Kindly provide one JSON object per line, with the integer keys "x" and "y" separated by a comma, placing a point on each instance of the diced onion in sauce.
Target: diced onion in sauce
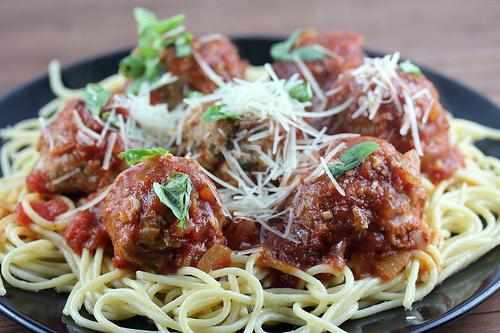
{"x": 390, "y": 266}
{"x": 218, "y": 256}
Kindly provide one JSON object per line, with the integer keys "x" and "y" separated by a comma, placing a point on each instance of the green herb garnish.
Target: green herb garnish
{"x": 194, "y": 94}
{"x": 134, "y": 156}
{"x": 95, "y": 98}
{"x": 183, "y": 45}
{"x": 145, "y": 64}
{"x": 284, "y": 51}
{"x": 301, "y": 92}
{"x": 410, "y": 68}
{"x": 215, "y": 113}
{"x": 175, "y": 193}
{"x": 148, "y": 23}
{"x": 132, "y": 66}
{"x": 352, "y": 158}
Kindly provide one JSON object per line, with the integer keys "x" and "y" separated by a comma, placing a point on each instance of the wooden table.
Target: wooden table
{"x": 458, "y": 38}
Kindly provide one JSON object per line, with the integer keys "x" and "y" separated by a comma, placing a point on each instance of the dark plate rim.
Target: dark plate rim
{"x": 456, "y": 312}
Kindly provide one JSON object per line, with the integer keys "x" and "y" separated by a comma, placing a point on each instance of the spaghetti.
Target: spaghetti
{"x": 462, "y": 212}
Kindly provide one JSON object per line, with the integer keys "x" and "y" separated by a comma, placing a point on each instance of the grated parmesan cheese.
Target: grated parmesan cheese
{"x": 64, "y": 177}
{"x": 109, "y": 151}
{"x": 45, "y": 131}
{"x": 81, "y": 126}
{"x": 381, "y": 83}
{"x": 209, "y": 72}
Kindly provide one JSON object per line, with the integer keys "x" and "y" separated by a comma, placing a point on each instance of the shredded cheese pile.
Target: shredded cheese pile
{"x": 280, "y": 121}
{"x": 381, "y": 83}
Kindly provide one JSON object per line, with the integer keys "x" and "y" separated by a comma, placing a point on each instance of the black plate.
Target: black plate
{"x": 42, "y": 311}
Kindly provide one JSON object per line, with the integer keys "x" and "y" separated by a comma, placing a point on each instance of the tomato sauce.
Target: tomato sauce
{"x": 49, "y": 210}
{"x": 86, "y": 230}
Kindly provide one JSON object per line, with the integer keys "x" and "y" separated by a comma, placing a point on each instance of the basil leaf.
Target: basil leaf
{"x": 171, "y": 23}
{"x": 309, "y": 53}
{"x": 214, "y": 113}
{"x": 95, "y": 98}
{"x": 410, "y": 68}
{"x": 183, "y": 45}
{"x": 145, "y": 19}
{"x": 194, "y": 94}
{"x": 281, "y": 50}
{"x": 132, "y": 66}
{"x": 301, "y": 92}
{"x": 284, "y": 51}
{"x": 175, "y": 193}
{"x": 134, "y": 156}
{"x": 145, "y": 64}
{"x": 352, "y": 158}
{"x": 153, "y": 67}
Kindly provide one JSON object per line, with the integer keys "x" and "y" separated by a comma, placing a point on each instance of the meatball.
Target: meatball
{"x": 219, "y": 53}
{"x": 71, "y": 161}
{"x": 379, "y": 217}
{"x": 145, "y": 232}
{"x": 347, "y": 52}
{"x": 387, "y": 119}
{"x": 207, "y": 140}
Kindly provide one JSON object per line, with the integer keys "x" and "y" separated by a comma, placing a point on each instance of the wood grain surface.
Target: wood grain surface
{"x": 458, "y": 38}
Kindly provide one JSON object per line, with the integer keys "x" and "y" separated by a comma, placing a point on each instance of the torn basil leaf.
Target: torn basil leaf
{"x": 175, "y": 193}
{"x": 284, "y": 51}
{"x": 301, "y": 92}
{"x": 410, "y": 68}
{"x": 95, "y": 97}
{"x": 216, "y": 113}
{"x": 134, "y": 156}
{"x": 132, "y": 66}
{"x": 145, "y": 65}
{"x": 183, "y": 45}
{"x": 352, "y": 158}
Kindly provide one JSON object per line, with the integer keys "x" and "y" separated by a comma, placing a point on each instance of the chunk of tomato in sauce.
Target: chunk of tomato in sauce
{"x": 86, "y": 230}
{"x": 36, "y": 181}
{"x": 49, "y": 210}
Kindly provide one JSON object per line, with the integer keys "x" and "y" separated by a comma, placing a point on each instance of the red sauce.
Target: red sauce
{"x": 242, "y": 235}
{"x": 86, "y": 230}
{"x": 36, "y": 182}
{"x": 49, "y": 210}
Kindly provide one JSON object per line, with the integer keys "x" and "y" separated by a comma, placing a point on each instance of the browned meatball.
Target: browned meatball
{"x": 145, "y": 233}
{"x": 347, "y": 48}
{"x": 207, "y": 140}
{"x": 440, "y": 158}
{"x": 380, "y": 215}
{"x": 221, "y": 56}
{"x": 74, "y": 163}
